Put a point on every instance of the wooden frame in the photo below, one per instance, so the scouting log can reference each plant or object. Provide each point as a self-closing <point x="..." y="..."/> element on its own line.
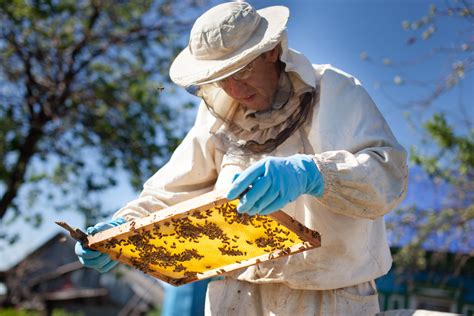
<point x="162" y="244"/>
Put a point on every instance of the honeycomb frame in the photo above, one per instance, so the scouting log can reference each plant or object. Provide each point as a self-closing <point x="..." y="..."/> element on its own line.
<point x="202" y="238"/>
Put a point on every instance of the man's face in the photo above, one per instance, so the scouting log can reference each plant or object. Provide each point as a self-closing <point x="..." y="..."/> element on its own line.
<point x="255" y="85"/>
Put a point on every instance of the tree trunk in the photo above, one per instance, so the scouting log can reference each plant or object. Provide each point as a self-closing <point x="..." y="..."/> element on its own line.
<point x="16" y="177"/>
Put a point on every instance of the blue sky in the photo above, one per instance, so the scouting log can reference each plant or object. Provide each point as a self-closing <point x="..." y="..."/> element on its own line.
<point x="337" y="32"/>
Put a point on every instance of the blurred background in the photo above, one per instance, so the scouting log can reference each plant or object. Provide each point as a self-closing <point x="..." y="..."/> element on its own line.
<point x="88" y="113"/>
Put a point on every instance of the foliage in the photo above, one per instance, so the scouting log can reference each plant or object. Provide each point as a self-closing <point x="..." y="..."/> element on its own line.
<point x="83" y="99"/>
<point x="17" y="312"/>
<point x="23" y="312"/>
<point x="450" y="165"/>
<point x="446" y="154"/>
<point x="154" y="312"/>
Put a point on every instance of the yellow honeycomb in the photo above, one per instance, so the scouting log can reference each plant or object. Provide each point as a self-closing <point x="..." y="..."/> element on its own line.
<point x="204" y="243"/>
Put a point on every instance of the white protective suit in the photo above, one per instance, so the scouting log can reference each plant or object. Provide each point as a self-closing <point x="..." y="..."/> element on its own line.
<point x="365" y="176"/>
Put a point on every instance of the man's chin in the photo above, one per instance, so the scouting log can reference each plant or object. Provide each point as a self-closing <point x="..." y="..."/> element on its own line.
<point x="255" y="105"/>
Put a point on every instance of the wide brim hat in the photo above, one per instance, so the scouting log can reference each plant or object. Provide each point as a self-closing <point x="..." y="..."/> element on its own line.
<point x="225" y="39"/>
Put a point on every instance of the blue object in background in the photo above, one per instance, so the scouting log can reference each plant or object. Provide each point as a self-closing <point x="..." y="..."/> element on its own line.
<point x="185" y="300"/>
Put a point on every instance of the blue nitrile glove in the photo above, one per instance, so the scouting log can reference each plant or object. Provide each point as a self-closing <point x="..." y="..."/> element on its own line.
<point x="95" y="259"/>
<point x="274" y="182"/>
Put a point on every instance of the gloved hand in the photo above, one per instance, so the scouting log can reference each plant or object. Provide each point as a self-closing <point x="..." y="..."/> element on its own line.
<point x="274" y="182"/>
<point x="95" y="259"/>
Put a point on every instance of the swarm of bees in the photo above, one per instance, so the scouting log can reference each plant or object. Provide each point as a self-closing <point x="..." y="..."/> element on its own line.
<point x="204" y="243"/>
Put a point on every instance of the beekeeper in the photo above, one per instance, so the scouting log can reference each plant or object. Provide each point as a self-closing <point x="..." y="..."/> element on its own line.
<point x="283" y="133"/>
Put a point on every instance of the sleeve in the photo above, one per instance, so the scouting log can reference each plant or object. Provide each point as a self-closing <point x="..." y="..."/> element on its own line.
<point x="190" y="172"/>
<point x="363" y="166"/>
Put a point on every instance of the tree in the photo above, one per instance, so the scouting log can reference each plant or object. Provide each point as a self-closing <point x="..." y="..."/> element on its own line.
<point x="446" y="153"/>
<point x="84" y="97"/>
